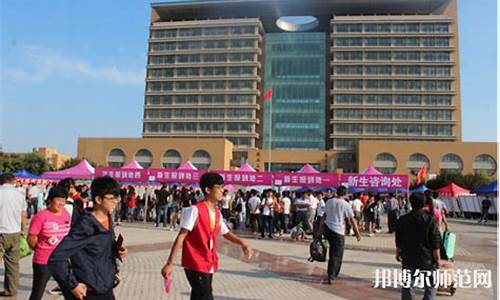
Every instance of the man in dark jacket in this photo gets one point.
(91, 248)
(417, 247)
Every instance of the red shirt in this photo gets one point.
(132, 200)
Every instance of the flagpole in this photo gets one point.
(270, 133)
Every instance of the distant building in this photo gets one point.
(355, 83)
(53, 158)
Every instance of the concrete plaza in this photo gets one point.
(279, 268)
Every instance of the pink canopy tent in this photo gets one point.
(246, 167)
(371, 171)
(230, 188)
(187, 166)
(307, 168)
(453, 190)
(132, 165)
(81, 171)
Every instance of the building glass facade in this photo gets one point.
(295, 67)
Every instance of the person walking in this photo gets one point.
(201, 224)
(47, 229)
(84, 263)
(337, 210)
(417, 248)
(13, 220)
(485, 207)
(392, 212)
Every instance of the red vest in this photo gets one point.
(196, 252)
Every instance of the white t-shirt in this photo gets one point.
(254, 203)
(190, 217)
(12, 205)
(266, 206)
(320, 210)
(337, 210)
(69, 207)
(439, 204)
(286, 205)
(225, 201)
(356, 205)
(302, 201)
(314, 202)
(33, 191)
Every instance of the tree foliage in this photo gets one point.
(30, 162)
(468, 181)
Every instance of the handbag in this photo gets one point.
(24, 247)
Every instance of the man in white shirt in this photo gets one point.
(254, 204)
(443, 209)
(302, 206)
(357, 208)
(287, 203)
(12, 224)
(311, 213)
(200, 225)
(336, 211)
(33, 192)
(266, 215)
(226, 199)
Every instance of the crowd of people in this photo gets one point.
(57, 237)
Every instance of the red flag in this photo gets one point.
(421, 174)
(268, 95)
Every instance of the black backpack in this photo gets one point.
(317, 250)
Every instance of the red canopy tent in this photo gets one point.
(453, 190)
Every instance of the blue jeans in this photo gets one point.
(161, 210)
(267, 225)
(409, 293)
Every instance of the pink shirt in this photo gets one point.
(51, 230)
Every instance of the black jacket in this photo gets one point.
(417, 236)
(91, 250)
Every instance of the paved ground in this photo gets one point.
(280, 270)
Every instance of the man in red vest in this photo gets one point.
(201, 224)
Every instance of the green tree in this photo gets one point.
(468, 181)
(30, 162)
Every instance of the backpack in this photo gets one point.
(317, 250)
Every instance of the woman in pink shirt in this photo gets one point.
(47, 229)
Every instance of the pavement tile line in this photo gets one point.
(288, 269)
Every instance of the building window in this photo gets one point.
(416, 161)
(451, 163)
(349, 99)
(484, 164)
(116, 158)
(171, 159)
(385, 163)
(349, 55)
(144, 158)
(201, 160)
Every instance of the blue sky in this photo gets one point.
(77, 68)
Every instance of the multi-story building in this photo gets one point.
(350, 72)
